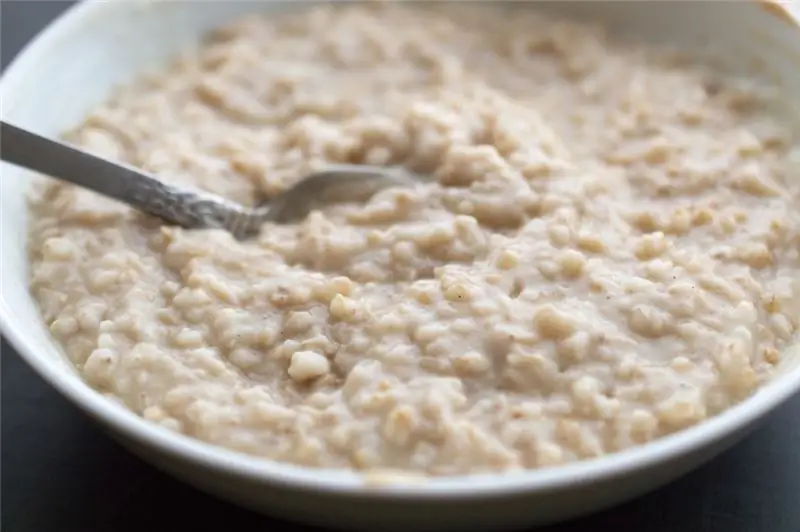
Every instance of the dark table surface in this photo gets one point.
(59, 473)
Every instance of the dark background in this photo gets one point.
(59, 473)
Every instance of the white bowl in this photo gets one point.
(73, 65)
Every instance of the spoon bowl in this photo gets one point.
(334, 184)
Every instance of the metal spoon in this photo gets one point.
(188, 207)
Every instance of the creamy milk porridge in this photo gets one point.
(607, 251)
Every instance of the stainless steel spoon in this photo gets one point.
(188, 207)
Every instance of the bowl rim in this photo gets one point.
(258, 470)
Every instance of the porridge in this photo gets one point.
(607, 250)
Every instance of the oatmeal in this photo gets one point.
(608, 249)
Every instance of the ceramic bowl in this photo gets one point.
(74, 64)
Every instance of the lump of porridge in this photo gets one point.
(607, 251)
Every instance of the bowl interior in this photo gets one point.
(99, 45)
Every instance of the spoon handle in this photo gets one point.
(181, 206)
